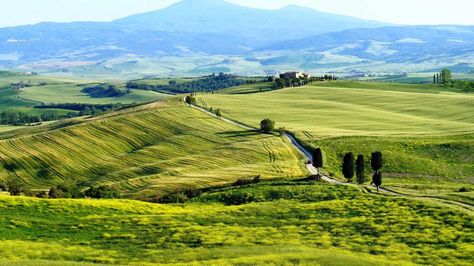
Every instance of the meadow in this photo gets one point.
(277, 223)
(146, 151)
(426, 132)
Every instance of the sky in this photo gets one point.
(410, 12)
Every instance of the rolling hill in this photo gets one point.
(426, 132)
(144, 152)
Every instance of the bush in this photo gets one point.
(190, 99)
(55, 193)
(267, 126)
(248, 181)
(102, 192)
(14, 186)
(179, 196)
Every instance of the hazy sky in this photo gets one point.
(19, 12)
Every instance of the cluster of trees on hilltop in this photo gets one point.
(205, 84)
(280, 83)
(103, 91)
(445, 77)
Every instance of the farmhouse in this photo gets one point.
(294, 75)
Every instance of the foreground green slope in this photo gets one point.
(147, 151)
(278, 223)
(426, 132)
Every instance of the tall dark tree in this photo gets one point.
(318, 160)
(376, 161)
(348, 166)
(437, 78)
(360, 171)
(434, 79)
(377, 164)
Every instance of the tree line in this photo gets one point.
(353, 167)
(204, 84)
(281, 83)
(16, 187)
(14, 118)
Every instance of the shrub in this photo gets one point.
(102, 192)
(14, 186)
(55, 193)
(179, 196)
(248, 181)
(190, 99)
(267, 126)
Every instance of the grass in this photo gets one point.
(146, 151)
(280, 223)
(50, 90)
(424, 131)
(250, 88)
(71, 93)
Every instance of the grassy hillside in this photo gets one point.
(279, 223)
(426, 132)
(147, 151)
(71, 93)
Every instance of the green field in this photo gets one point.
(147, 151)
(58, 90)
(282, 223)
(426, 132)
(71, 93)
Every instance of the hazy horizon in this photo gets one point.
(415, 12)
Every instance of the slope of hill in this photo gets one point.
(426, 132)
(282, 223)
(146, 151)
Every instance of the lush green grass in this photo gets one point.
(147, 151)
(282, 223)
(333, 109)
(424, 131)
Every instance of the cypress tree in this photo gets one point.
(360, 174)
(377, 163)
(348, 166)
(318, 160)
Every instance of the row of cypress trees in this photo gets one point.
(348, 168)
